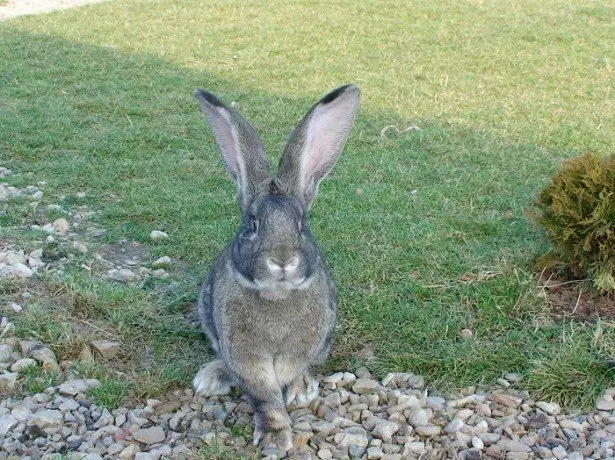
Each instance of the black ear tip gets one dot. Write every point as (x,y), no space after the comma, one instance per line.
(339,91)
(205,96)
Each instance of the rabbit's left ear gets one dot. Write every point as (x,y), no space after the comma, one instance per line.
(316,144)
(241,148)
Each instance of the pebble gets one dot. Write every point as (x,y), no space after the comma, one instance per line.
(61,225)
(106,348)
(151,435)
(157,235)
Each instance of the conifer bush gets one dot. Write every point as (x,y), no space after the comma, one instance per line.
(577,209)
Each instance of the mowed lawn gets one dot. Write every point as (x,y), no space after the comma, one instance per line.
(426,230)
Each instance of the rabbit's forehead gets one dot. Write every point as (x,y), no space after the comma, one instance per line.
(277,208)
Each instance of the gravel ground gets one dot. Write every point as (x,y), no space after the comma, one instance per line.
(22,7)
(355,416)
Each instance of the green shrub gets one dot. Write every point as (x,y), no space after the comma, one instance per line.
(577,209)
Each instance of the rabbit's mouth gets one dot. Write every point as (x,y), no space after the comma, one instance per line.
(269,285)
(283,285)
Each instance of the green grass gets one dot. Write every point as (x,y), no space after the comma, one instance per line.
(98,100)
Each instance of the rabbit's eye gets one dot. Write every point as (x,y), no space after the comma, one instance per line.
(252,224)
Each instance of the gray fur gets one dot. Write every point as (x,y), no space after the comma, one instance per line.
(269,305)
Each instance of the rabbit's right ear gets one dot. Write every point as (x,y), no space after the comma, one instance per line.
(241,148)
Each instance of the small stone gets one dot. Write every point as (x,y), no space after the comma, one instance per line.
(8,381)
(549,408)
(466,334)
(61,225)
(385,430)
(454,426)
(106,348)
(428,431)
(22,364)
(151,435)
(374,453)
(157,235)
(559,452)
(364,385)
(334,378)
(123,275)
(6,353)
(18,270)
(514,446)
(82,248)
(47,419)
(75,386)
(16,307)
(129,452)
(419,418)
(162,262)
(7,423)
(160,273)
(605,405)
(477,443)
(513,377)
(506,400)
(333,400)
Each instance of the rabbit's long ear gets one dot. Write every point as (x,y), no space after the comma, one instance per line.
(316,144)
(241,148)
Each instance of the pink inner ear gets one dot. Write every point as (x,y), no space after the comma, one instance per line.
(326,135)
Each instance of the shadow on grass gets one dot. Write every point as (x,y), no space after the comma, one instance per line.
(425,230)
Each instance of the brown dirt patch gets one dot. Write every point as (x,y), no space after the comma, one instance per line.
(576,299)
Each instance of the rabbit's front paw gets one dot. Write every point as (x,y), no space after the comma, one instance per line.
(212,380)
(272,430)
(301,391)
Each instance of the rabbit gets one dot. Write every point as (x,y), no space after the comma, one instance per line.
(269,305)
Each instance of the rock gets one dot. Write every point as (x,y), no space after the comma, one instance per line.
(123,275)
(106,348)
(559,452)
(477,443)
(363,386)
(419,417)
(7,423)
(385,430)
(513,446)
(129,452)
(157,235)
(18,270)
(8,381)
(333,400)
(61,225)
(162,262)
(75,386)
(428,431)
(47,419)
(6,354)
(454,426)
(22,364)
(348,439)
(466,334)
(605,404)
(513,377)
(549,408)
(506,400)
(16,307)
(151,435)
(82,248)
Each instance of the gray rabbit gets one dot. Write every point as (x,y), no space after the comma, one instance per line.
(269,305)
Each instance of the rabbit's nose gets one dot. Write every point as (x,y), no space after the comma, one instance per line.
(277,265)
